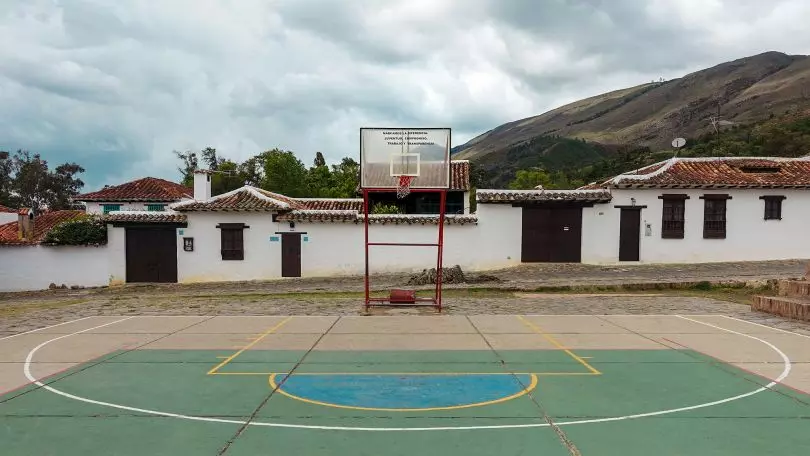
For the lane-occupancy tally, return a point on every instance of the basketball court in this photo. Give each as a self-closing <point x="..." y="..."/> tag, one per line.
<point x="401" y="385"/>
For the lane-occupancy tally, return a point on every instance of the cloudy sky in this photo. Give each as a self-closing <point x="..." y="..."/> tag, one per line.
<point x="117" y="85"/>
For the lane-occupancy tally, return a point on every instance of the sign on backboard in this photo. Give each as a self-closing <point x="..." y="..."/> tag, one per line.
<point x="388" y="153"/>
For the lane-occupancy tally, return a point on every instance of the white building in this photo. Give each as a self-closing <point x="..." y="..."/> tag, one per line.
<point x="148" y="194"/>
<point x="683" y="210"/>
<point x="250" y="234"/>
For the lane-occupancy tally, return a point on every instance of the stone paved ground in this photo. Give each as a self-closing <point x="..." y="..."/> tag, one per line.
<point x="21" y="312"/>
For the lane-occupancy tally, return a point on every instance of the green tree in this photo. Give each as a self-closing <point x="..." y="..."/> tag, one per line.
<point x="527" y="179"/>
<point x="345" y="178"/>
<point x="190" y="164"/>
<point x="226" y="178"/>
<point x="34" y="185"/>
<point x="284" y="173"/>
<point x="319" y="179"/>
<point x="319" y="160"/>
<point x="6" y="177"/>
<point x="252" y="171"/>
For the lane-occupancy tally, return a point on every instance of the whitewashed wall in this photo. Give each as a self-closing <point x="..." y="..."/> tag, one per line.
<point x="748" y="236"/>
<point x="205" y="264"/>
<point x="8" y="217"/>
<point x="337" y="248"/>
<point x="30" y="268"/>
<point x="116" y="255"/>
<point x="95" y="208"/>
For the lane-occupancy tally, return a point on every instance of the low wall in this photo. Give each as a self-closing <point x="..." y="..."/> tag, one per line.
<point x="334" y="249"/>
<point x="30" y="268"/>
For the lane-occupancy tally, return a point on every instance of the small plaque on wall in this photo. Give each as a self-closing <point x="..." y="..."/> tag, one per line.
<point x="188" y="244"/>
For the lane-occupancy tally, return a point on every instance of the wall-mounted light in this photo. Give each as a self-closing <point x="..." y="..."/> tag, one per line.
<point x="632" y="201"/>
<point x="292" y="225"/>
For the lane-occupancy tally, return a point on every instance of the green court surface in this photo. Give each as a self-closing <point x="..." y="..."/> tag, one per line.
<point x="483" y="385"/>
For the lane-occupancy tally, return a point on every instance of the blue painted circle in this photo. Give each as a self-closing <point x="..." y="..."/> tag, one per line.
<point x="404" y="391"/>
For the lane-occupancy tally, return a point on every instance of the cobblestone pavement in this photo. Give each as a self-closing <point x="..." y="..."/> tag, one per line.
<point x="52" y="312"/>
<point x="21" y="312"/>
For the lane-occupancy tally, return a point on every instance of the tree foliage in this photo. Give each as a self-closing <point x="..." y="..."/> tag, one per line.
<point x="275" y="170"/>
<point x="386" y="208"/>
<point x="27" y="181"/>
<point x="84" y="230"/>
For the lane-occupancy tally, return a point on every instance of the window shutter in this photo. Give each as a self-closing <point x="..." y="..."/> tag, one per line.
<point x="232" y="241"/>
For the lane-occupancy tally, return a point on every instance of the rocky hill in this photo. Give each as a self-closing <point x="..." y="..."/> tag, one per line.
<point x="744" y="91"/>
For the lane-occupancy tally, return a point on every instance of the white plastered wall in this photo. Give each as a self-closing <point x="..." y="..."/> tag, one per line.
<point x="748" y="236"/>
<point x="205" y="264"/>
<point x="96" y="208"/>
<point x="329" y="249"/>
<point x="34" y="267"/>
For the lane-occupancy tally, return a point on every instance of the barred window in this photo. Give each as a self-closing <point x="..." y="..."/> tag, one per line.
<point x="714" y="216"/>
<point x="673" y="218"/>
<point x="773" y="207"/>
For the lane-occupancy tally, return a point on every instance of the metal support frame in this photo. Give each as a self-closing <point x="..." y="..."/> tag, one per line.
<point x="436" y="300"/>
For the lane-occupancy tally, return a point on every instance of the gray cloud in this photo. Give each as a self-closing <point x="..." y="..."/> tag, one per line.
<point x="117" y="85"/>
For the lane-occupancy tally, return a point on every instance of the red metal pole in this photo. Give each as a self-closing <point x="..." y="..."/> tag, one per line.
<point x="365" y="223"/>
<point x="442" y="203"/>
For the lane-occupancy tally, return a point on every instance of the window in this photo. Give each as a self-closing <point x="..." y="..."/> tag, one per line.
<point x="673" y="216"/>
<point x="155" y="207"/>
<point x="455" y="203"/>
<point x="107" y="208"/>
<point x="232" y="241"/>
<point x="714" y="216"/>
<point x="773" y="207"/>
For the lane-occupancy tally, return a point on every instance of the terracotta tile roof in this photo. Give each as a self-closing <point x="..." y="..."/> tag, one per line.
<point x="7" y="209"/>
<point x="332" y="204"/>
<point x="430" y="175"/>
<point x="460" y="175"/>
<point x="42" y="224"/>
<point x="327" y="216"/>
<point x="382" y="219"/>
<point x="145" y="217"/>
<point x="146" y="189"/>
<point x="514" y="196"/>
<point x="246" y="198"/>
<point x="717" y="172"/>
<point x="418" y="219"/>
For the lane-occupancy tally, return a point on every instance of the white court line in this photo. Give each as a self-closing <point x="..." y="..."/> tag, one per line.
<point x="47" y="327"/>
<point x="769" y="327"/>
<point x="27" y="371"/>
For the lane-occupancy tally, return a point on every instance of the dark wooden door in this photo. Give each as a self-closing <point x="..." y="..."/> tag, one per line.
<point x="551" y="235"/>
<point x="567" y="226"/>
<point x="151" y="255"/>
<point x="536" y="235"/>
<point x="290" y="255"/>
<point x="629" y="234"/>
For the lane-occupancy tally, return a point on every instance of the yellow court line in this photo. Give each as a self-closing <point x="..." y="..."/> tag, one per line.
<point x="407" y="373"/>
<point x="557" y="344"/>
<point x="526" y="390"/>
<point x="256" y="341"/>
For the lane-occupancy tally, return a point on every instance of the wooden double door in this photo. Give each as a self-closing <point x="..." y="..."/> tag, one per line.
<point x="551" y="235"/>
<point x="151" y="255"/>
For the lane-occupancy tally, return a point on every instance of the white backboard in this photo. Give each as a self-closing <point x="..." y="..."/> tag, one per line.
<point x="387" y="153"/>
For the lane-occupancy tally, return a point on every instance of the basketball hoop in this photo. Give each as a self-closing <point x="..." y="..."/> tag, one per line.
<point x="404" y="186"/>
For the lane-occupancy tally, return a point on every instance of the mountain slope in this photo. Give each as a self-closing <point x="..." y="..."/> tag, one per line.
<point x="743" y="91"/>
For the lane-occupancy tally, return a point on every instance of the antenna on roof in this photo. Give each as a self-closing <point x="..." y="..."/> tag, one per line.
<point x="677" y="143"/>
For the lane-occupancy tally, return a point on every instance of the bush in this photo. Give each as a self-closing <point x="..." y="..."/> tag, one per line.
<point x="382" y="208"/>
<point x="85" y="230"/>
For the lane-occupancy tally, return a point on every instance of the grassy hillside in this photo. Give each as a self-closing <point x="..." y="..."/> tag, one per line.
<point x="572" y="163"/>
<point x="643" y="120"/>
<point x="743" y="91"/>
